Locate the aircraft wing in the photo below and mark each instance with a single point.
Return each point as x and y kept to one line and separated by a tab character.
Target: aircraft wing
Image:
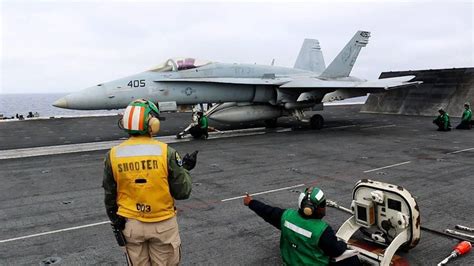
308	83
241	81
375	85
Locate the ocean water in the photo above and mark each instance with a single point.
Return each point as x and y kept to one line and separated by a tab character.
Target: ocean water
12	104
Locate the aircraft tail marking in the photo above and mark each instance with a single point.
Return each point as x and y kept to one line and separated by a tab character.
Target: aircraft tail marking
310	57
342	65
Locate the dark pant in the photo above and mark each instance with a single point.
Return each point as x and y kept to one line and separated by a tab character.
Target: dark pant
441	126
464	125
198	132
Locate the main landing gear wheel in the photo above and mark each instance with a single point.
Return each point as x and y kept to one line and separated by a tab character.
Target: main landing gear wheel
316	122
271	123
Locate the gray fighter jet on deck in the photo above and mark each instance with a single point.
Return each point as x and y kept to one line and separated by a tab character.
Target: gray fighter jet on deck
243	92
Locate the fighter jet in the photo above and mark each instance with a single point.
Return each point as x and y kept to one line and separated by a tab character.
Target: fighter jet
243	92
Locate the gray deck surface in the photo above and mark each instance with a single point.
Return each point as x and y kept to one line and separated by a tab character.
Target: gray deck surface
41	194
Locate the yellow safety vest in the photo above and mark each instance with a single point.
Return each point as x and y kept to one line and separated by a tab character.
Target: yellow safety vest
140	169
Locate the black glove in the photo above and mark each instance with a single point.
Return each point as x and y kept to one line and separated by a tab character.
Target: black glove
189	161
119	223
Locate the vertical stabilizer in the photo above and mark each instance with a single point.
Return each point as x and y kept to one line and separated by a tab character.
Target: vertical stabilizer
342	65
310	57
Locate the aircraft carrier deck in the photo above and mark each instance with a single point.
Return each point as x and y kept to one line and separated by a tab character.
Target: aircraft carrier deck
52	204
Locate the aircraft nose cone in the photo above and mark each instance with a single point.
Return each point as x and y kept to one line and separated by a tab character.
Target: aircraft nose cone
61	103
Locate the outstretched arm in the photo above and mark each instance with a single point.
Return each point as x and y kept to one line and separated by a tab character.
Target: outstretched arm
271	215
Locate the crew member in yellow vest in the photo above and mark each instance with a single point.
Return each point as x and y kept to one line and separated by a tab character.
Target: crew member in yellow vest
142	178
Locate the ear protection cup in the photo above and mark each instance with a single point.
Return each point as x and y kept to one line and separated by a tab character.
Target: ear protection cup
306	206
308	210
154	125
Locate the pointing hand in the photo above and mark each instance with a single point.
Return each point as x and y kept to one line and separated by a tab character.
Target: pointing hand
247	199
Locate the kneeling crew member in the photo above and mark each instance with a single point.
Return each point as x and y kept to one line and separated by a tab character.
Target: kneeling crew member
305	238
200	130
203	124
142	178
442	121
466	118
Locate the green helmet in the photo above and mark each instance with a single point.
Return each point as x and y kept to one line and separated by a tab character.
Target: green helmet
136	116
317	196
311	203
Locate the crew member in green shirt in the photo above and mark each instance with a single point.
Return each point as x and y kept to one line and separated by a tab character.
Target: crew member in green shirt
203	124
305	238
442	121
466	118
199	130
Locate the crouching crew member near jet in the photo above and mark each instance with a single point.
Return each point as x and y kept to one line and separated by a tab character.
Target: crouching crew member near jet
201	129
142	178
466	118
442	121
203	124
305	238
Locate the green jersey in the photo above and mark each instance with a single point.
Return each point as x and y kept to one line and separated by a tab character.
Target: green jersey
299	242
467	115
443	120
203	122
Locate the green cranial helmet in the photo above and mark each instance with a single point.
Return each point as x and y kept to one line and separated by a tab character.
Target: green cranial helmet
317	196
136	116
312	195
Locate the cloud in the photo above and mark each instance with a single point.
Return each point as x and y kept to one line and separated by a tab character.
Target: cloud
62	47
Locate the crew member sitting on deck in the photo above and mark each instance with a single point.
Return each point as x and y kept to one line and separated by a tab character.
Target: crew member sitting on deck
466	118
305	238
201	129
442	121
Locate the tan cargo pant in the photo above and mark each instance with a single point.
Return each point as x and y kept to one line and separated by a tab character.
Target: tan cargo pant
153	243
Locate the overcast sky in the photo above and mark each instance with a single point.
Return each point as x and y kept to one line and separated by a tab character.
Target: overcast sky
67	46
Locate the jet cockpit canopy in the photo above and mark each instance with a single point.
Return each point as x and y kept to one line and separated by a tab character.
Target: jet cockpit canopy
178	64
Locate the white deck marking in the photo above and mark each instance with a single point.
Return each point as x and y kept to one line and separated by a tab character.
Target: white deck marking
105	145
341	127
454	152
283	130
344	103
264	192
392	125
388	166
106	222
54	232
